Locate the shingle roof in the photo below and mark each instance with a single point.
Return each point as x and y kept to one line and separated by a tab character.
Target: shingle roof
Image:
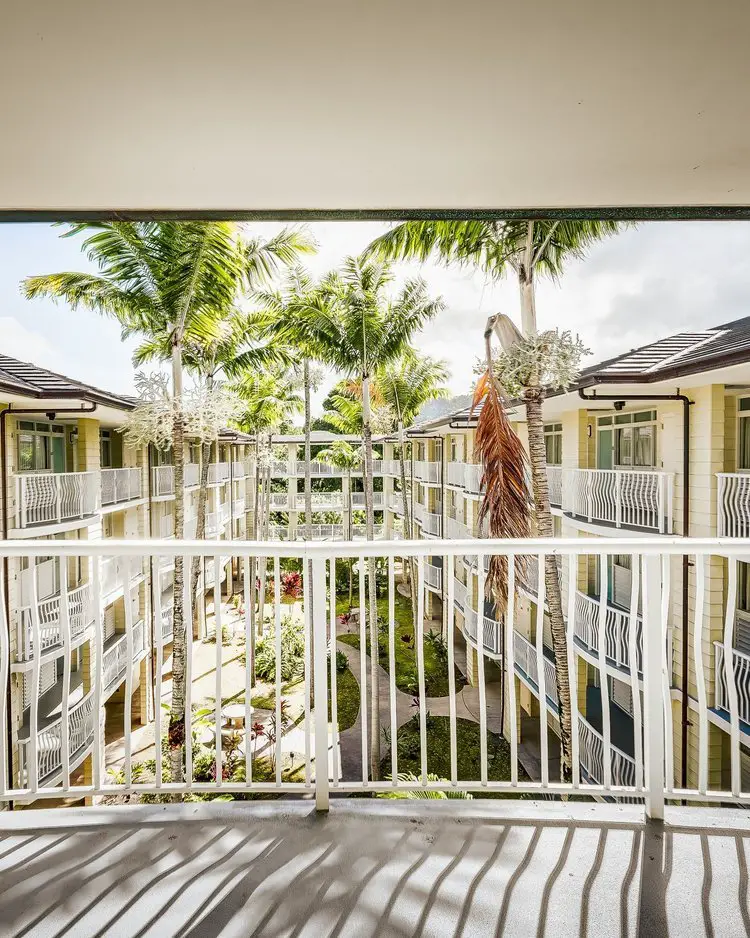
26	378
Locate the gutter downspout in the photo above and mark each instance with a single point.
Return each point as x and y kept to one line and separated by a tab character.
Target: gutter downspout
686	402
6	524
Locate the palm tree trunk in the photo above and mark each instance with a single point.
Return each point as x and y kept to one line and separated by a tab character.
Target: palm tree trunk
373	603
176	733
533	397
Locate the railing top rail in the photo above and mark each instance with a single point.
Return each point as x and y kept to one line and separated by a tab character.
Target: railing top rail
648	546
618	470
719	646
744	473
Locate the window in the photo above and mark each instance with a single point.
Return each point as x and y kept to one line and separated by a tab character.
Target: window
41	447
743	433
105	449
553	443
627	440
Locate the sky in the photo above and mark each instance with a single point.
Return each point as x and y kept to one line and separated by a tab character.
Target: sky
647	282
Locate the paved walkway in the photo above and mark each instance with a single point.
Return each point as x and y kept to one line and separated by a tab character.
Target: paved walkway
467	708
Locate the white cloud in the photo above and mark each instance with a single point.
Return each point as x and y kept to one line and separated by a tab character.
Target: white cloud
29	345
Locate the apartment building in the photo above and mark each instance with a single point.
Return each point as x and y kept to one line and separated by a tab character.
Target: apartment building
68	473
654	442
338	499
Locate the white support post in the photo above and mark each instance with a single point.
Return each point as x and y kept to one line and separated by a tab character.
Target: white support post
320	678
653	637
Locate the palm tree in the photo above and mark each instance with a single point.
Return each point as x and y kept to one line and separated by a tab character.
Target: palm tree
344	456
269	398
355	327
165	279
406	385
527	248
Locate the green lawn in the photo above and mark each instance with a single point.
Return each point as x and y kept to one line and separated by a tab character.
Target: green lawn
439	752
435	660
347	699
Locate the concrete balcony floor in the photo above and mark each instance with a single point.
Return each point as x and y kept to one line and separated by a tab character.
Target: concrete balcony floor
392	868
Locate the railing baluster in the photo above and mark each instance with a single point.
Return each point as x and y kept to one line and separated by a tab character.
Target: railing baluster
64	618
652	683
452	668
573	671
419	631
603	679
334	676
666	674
249	672
277	642
5	769
307	624
320	655
128	709
187	624
482	680
510	673
363	670
33	766
635	585
540	673
158	638
700	679
217	667
729	677
392	664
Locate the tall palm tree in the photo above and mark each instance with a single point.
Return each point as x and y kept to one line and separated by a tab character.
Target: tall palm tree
406	385
527	249
344	456
269	398
164	279
356	327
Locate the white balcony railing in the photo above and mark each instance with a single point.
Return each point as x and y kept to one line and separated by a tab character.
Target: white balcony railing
733	493
527	663
80	617
741	671
358	501
433	576
454	474
602	769
56	497
431	523
554	481
162	478
115	658
48	744
239	470
167	623
427	472
473	478
218	472
623	498
121	485
616	631
321	501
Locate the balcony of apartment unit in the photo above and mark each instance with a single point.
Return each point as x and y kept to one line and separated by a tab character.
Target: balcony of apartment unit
48	626
466	476
732	686
621	498
121	487
429	521
621	641
240	469
218	473
117	572
322	532
378	501
48	500
392	467
733	496
426	472
43	754
216	520
433	575
162	479
116	655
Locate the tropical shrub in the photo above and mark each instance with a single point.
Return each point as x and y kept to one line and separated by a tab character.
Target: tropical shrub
292	651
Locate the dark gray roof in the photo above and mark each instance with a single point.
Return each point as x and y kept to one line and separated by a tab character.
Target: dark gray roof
26	378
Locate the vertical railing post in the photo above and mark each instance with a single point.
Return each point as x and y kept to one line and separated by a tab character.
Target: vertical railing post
320	678
653	636
618	499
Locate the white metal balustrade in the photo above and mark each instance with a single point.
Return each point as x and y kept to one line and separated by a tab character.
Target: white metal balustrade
635	498
80	618
555	483
121	485
162	478
616	631
740	666
115	658
733	495
428	472
600	769
218	472
473	478
44	498
358	500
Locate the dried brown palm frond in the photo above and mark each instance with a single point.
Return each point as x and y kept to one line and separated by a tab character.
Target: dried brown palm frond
506	507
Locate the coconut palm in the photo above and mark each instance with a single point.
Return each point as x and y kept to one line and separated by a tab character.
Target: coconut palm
166	279
406	385
344	456
356	327
528	249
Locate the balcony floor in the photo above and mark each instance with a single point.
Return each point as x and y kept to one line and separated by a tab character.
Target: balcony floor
398	868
